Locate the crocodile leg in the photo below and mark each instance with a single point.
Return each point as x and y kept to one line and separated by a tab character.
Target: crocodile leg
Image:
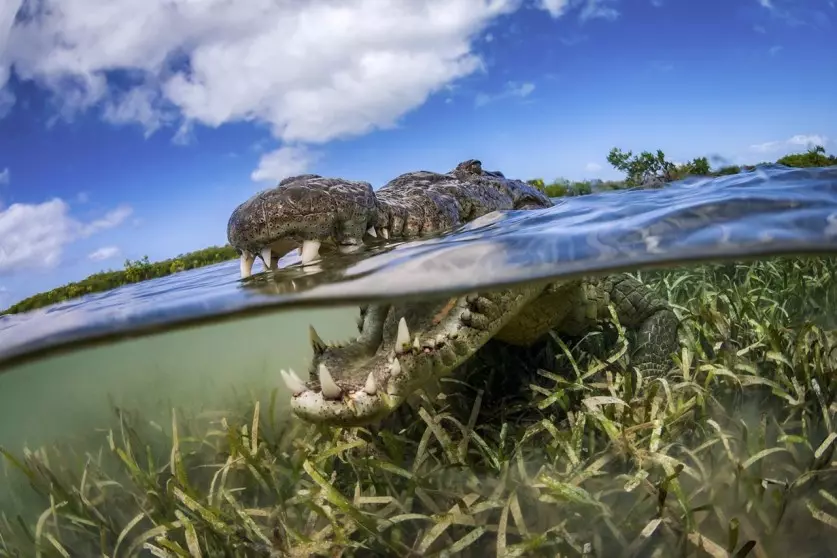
575	307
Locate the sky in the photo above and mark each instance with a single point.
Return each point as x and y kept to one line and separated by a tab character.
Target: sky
134	127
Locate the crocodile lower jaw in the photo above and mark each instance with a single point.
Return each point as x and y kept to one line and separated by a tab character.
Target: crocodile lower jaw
356	408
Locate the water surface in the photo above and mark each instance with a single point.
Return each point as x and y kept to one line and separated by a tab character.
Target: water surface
772	210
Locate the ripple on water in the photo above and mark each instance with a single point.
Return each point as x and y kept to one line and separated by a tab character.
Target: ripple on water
773	210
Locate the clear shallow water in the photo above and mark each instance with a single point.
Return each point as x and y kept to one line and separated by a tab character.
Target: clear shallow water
773	210
241	333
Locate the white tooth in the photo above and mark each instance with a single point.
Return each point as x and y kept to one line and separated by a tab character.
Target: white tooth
330	389
317	342
385	233
416	343
403	337
294	383
310	251
371	232
371	387
395	368
266	256
246	264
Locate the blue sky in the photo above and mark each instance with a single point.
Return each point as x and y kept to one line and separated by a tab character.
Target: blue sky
134	127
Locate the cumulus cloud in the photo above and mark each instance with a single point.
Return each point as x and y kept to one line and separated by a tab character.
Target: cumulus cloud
33	236
512	89
104	253
283	162
5	176
593	167
312	71
799	140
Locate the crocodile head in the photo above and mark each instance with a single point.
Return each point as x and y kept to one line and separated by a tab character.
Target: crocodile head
303	212
400	347
311	212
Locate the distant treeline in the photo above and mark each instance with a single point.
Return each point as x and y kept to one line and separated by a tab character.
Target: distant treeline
652	170
134	272
644	170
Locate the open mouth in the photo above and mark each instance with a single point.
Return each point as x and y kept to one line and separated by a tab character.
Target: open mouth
373	383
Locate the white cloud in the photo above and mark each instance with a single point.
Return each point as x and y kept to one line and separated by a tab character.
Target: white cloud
593	167
282	163
766	4
111	219
590	9
774	50
313	71
33	236
799	140
138	105
5	176
104	253
512	89
556	8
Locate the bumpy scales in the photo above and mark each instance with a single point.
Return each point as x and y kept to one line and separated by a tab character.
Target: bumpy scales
401	346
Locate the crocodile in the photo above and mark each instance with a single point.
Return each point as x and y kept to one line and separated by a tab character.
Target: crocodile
403	345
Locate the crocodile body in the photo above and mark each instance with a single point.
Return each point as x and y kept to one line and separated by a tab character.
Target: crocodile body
403	345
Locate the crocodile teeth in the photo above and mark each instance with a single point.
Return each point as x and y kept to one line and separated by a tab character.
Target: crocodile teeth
246	264
310	251
316	341
395	368
385	233
330	388
371	232
416	344
403	337
294	383
266	257
371	387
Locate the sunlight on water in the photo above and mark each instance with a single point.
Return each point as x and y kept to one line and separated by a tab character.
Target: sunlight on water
558	444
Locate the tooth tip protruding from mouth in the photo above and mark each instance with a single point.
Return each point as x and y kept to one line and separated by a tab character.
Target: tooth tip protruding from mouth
310	251
267	257
246	264
371	387
330	388
317	342
293	382
403	336
395	368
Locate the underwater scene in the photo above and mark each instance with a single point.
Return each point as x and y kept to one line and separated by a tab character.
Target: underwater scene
646	372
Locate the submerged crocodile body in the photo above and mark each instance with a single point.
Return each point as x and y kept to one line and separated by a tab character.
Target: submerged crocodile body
406	344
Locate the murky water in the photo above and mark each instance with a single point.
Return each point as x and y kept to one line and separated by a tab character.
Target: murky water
203	341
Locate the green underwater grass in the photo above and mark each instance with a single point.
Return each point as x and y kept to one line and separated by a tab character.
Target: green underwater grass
731	455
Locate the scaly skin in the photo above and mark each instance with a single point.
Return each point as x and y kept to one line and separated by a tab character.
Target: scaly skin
443	334
404	345
334	212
